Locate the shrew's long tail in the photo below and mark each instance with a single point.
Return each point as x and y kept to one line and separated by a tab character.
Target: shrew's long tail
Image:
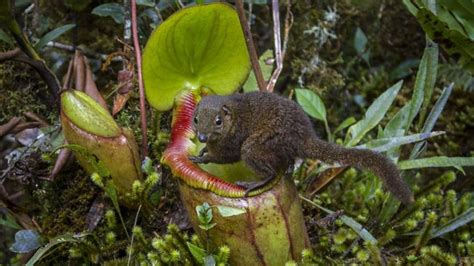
361	158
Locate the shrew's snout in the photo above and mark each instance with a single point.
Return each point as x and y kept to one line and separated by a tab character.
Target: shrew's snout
202	138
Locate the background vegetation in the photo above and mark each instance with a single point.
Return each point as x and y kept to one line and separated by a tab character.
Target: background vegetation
346	53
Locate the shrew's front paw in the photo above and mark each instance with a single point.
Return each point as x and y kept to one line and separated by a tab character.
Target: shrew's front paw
198	159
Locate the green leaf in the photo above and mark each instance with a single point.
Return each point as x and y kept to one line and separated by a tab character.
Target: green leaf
149	3
113	10
209	260
25	241
360	44
111	192
453	224
198	253
256	2
251	83
53	35
432	73
404	69
197	47
4	37
347	122
204	213
453	41
77	6
432	118
411	7
55	241
384	144
396	126
460	13
424	83
357	227
9	221
374	114
147	166
311	103
229	211
440	161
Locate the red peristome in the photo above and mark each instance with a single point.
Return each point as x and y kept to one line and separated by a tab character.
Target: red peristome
176	154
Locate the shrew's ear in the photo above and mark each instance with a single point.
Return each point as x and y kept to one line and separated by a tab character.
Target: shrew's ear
226	112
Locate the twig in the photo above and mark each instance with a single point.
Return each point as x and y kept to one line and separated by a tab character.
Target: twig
138	57
250	45
288	25
277	41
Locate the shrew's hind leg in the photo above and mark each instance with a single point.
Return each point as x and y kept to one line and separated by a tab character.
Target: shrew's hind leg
263	163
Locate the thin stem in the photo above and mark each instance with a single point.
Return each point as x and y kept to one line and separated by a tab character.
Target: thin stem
129	260
288	25
250	45
328	130
277	41
138	57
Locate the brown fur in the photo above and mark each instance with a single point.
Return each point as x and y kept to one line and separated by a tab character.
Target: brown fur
269	132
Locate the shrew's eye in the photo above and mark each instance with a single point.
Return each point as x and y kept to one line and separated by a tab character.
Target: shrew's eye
195	120
218	120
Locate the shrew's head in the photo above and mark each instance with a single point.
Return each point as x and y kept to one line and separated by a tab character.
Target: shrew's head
212	119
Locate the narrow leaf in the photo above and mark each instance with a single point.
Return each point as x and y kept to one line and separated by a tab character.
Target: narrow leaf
385	144
348	122
374	114
209	261
198	253
251	83
440	161
360	43
357	227
113	10
4	37
453	224
431	74
112	194
55	241
311	104
432	118
9	221
229	211
149	3
53	35
396	126
423	80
